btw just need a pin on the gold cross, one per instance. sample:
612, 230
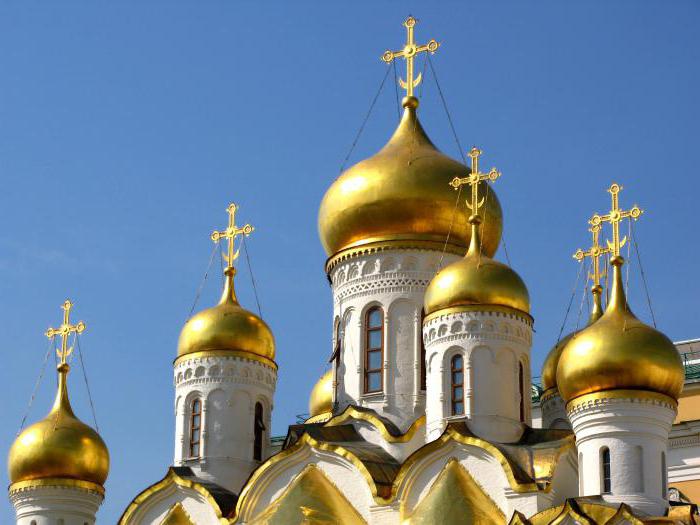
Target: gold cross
614, 217
474, 178
594, 252
409, 51
231, 233
64, 331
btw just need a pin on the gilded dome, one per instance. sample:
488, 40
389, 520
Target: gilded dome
59, 446
549, 368
619, 352
401, 196
476, 280
321, 399
227, 327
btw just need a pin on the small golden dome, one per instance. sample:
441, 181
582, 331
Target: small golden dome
401, 196
476, 280
549, 368
619, 352
59, 446
321, 399
227, 327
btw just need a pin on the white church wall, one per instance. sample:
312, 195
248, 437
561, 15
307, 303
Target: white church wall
229, 388
154, 509
399, 450
51, 505
394, 280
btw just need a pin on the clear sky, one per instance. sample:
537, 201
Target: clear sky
126, 129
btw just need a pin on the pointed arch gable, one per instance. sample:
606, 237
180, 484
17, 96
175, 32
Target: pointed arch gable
177, 515
455, 497
310, 498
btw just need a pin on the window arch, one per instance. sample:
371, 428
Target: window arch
605, 469
457, 384
521, 389
258, 431
195, 427
374, 349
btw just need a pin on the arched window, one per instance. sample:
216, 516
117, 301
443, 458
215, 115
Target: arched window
664, 477
374, 349
457, 380
605, 470
423, 375
521, 387
258, 430
195, 427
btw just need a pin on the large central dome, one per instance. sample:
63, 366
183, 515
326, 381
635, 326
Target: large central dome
401, 197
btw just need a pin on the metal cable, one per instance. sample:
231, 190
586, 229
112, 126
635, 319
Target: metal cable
449, 231
36, 386
627, 270
571, 300
641, 270
201, 284
444, 104
584, 294
252, 277
396, 90
364, 122
87, 385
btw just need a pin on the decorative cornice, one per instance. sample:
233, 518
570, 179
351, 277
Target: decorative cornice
503, 311
607, 397
226, 353
22, 486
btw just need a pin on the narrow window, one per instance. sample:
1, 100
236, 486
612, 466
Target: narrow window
423, 378
259, 429
605, 468
457, 380
521, 387
664, 477
374, 350
195, 427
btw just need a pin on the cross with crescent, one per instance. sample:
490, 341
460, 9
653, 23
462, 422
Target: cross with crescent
409, 52
64, 331
614, 217
594, 252
474, 178
231, 233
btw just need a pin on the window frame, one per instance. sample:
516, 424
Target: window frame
454, 385
258, 431
605, 471
423, 364
369, 330
521, 388
195, 430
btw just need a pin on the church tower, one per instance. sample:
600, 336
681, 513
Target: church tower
478, 333
387, 223
225, 376
621, 380
553, 410
58, 466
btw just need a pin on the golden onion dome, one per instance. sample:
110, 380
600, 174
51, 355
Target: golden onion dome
549, 368
321, 399
619, 352
228, 328
401, 197
476, 280
59, 447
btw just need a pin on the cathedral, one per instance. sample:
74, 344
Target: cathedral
429, 412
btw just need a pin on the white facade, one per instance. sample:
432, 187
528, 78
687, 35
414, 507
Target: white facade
394, 280
495, 351
634, 432
229, 387
55, 505
553, 410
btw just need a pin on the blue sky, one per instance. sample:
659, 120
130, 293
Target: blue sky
126, 129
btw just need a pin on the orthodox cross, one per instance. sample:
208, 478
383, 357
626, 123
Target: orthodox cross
231, 233
64, 331
614, 217
594, 252
474, 178
409, 52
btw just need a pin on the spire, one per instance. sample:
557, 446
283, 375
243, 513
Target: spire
618, 301
62, 403
230, 233
409, 52
595, 252
473, 203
